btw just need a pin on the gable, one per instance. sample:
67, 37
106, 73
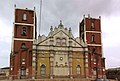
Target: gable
60, 35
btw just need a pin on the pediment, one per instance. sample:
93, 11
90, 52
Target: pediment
61, 35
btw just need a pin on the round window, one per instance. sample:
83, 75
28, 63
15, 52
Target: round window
61, 58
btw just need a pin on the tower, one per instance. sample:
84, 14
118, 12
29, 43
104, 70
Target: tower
90, 34
23, 35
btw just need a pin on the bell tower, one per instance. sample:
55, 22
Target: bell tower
23, 35
90, 34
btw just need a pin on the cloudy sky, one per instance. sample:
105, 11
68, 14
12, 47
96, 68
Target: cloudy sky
71, 13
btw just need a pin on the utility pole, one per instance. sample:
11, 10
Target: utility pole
40, 15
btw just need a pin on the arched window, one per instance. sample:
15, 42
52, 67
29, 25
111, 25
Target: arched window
93, 38
58, 41
63, 40
92, 25
24, 16
51, 42
23, 31
78, 69
23, 72
42, 69
23, 46
94, 71
93, 50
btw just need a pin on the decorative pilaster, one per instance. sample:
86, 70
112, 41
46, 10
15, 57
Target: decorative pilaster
70, 53
34, 65
70, 64
51, 55
86, 66
51, 64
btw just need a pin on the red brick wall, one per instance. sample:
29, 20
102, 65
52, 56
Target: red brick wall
17, 45
18, 53
96, 24
19, 16
97, 38
97, 54
18, 31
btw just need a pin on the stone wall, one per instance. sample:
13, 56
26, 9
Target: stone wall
50, 80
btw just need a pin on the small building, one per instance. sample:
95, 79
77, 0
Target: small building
4, 73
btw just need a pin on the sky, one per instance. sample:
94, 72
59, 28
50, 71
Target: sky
71, 13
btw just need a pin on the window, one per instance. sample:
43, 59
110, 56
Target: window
92, 25
61, 58
58, 41
56, 63
11, 69
23, 62
94, 60
70, 43
63, 40
51, 42
94, 71
23, 31
42, 69
34, 58
23, 46
23, 59
23, 72
93, 38
24, 16
78, 69
65, 63
93, 50
86, 60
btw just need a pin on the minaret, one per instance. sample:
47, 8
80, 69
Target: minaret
23, 37
90, 34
